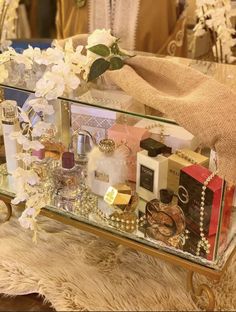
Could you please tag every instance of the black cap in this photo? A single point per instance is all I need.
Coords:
(68, 160)
(166, 196)
(153, 147)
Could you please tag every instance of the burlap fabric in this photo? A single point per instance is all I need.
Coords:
(197, 102)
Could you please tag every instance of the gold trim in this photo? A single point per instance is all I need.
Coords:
(197, 291)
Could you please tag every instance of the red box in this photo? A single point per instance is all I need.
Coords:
(218, 205)
(131, 136)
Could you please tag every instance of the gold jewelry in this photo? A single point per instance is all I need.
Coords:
(107, 146)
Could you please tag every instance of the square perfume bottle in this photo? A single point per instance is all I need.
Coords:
(152, 167)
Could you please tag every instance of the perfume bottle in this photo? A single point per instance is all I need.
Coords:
(165, 219)
(53, 148)
(83, 142)
(44, 168)
(69, 183)
(10, 123)
(107, 166)
(152, 169)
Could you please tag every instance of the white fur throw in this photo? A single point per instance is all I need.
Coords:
(76, 271)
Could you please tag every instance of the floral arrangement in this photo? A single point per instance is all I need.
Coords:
(52, 73)
(8, 17)
(214, 17)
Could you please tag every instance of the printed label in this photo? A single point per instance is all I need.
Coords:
(147, 178)
(100, 176)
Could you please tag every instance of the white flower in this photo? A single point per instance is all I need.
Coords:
(71, 80)
(50, 56)
(50, 86)
(33, 145)
(5, 57)
(32, 53)
(3, 73)
(25, 142)
(101, 36)
(22, 59)
(27, 158)
(17, 135)
(25, 176)
(27, 220)
(20, 197)
(41, 105)
(40, 128)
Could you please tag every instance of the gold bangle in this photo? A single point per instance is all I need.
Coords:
(107, 146)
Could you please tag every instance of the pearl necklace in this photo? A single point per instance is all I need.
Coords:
(203, 242)
(123, 223)
(162, 130)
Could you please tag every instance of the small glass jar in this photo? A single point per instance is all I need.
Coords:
(165, 219)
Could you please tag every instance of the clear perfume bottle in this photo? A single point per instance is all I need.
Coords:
(44, 168)
(83, 142)
(165, 219)
(69, 183)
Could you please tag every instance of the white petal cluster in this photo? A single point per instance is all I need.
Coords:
(214, 16)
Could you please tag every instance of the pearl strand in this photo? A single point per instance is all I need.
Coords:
(203, 242)
(120, 222)
(162, 130)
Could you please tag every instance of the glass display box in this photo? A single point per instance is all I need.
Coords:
(122, 171)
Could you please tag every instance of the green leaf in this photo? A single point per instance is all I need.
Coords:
(100, 49)
(116, 63)
(98, 68)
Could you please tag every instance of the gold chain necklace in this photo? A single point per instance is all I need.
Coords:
(80, 3)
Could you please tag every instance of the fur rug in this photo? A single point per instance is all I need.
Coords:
(76, 271)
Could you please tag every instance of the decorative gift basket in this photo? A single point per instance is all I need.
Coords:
(165, 181)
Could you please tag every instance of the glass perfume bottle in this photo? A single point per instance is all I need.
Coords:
(165, 219)
(53, 148)
(152, 169)
(44, 168)
(83, 142)
(69, 183)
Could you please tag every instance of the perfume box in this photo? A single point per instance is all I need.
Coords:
(217, 204)
(131, 137)
(178, 161)
(173, 136)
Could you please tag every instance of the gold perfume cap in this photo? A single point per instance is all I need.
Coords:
(107, 146)
(9, 111)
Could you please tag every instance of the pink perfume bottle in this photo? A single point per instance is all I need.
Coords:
(69, 183)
